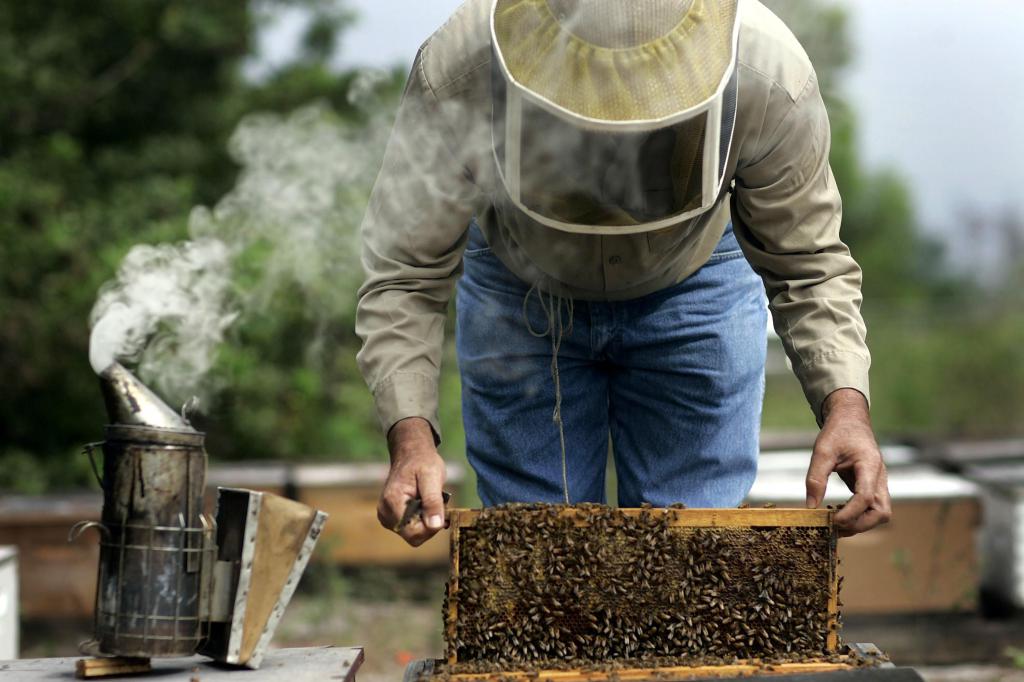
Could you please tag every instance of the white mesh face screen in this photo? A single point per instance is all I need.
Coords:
(684, 66)
(619, 23)
(577, 176)
(613, 116)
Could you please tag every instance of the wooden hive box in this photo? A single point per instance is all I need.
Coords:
(571, 590)
(57, 578)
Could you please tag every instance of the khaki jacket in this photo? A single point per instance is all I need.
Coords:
(439, 171)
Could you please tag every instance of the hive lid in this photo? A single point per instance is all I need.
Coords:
(910, 482)
(1009, 475)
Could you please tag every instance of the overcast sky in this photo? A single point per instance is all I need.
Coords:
(939, 85)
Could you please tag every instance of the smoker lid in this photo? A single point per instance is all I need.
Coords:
(130, 402)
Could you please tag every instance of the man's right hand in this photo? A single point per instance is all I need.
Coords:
(417, 471)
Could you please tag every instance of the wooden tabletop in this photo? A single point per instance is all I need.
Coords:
(312, 664)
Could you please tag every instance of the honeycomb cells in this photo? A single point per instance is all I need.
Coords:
(533, 583)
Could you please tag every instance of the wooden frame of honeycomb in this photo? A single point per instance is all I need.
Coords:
(541, 586)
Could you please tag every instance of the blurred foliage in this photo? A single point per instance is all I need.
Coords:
(114, 124)
(946, 355)
(1016, 656)
(879, 224)
(115, 120)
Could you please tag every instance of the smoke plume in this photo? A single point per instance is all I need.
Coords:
(299, 198)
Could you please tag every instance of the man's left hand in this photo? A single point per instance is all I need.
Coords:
(847, 446)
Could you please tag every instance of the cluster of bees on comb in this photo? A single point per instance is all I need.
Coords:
(540, 585)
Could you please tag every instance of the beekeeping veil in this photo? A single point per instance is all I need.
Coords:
(613, 116)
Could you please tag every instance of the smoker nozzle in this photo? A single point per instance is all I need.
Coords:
(131, 403)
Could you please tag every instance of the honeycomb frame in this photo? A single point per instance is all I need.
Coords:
(563, 528)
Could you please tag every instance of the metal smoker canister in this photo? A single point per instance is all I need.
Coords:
(156, 544)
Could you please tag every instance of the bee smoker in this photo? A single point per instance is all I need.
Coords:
(172, 581)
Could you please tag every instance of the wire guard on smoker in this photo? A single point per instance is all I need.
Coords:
(149, 620)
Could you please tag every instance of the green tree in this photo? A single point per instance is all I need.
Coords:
(879, 222)
(945, 351)
(115, 119)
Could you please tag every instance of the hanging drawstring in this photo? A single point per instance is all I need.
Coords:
(557, 329)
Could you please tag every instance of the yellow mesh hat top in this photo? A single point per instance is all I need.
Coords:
(600, 75)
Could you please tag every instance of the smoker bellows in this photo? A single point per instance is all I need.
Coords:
(173, 581)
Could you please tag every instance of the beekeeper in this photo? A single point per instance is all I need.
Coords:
(618, 184)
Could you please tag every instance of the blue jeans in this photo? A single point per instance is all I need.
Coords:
(676, 378)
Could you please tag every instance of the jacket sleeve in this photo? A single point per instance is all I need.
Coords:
(786, 212)
(413, 236)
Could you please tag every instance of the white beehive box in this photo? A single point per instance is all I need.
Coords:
(8, 603)
(1002, 538)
